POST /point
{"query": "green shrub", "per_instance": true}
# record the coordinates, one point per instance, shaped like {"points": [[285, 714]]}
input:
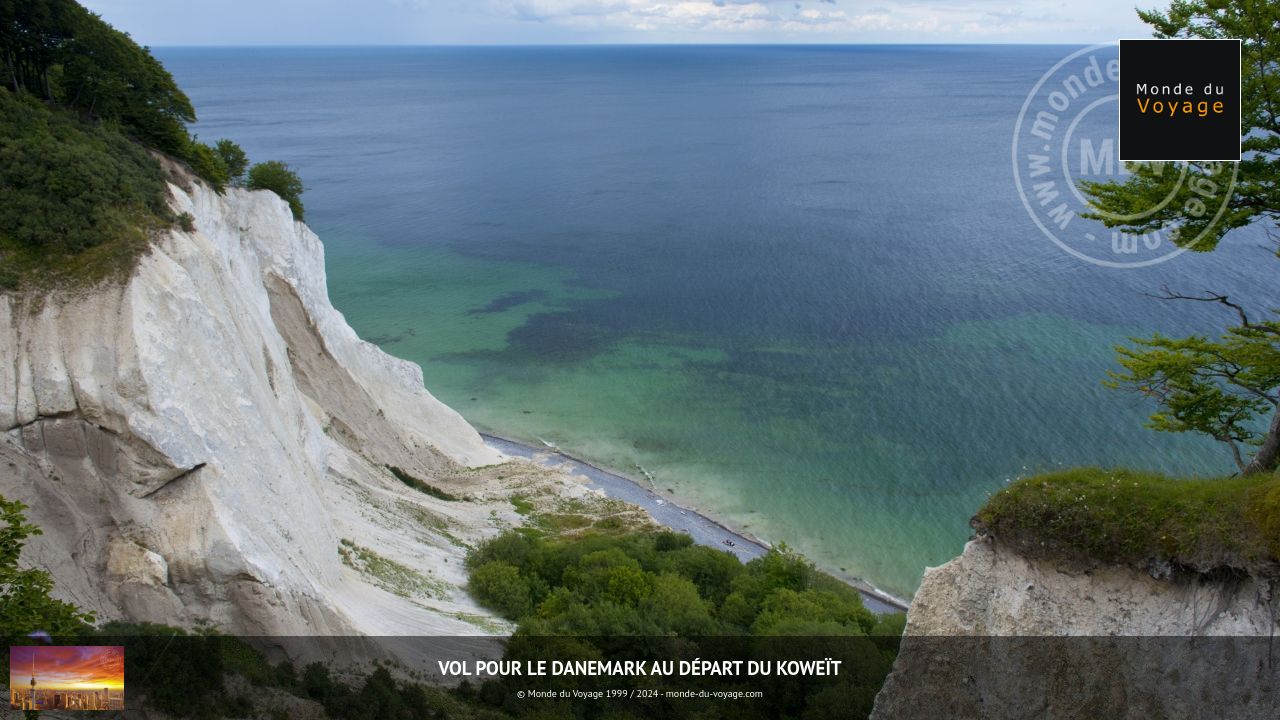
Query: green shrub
{"points": [[522, 505], [208, 164], [1264, 511], [499, 586], [68, 186], [660, 582], [276, 176], [673, 602], [421, 485], [233, 159], [513, 548]]}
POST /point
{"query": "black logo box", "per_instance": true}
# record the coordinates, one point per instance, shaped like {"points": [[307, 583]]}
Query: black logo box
{"points": [[1186, 68]]}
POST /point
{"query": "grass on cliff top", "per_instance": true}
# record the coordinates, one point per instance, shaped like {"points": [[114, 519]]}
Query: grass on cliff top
{"points": [[1091, 516]]}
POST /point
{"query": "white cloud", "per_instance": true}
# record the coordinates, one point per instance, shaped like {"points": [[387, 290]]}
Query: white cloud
{"points": [[922, 19], [681, 14], [326, 22]]}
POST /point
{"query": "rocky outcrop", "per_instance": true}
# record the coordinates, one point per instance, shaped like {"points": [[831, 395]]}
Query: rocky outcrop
{"points": [[208, 441], [994, 634]]}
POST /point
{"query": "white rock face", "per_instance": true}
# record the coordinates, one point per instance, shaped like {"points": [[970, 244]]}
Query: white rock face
{"points": [[990, 590], [198, 441], [993, 634]]}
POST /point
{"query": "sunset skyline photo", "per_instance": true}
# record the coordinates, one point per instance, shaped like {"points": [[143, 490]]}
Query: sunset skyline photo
{"points": [[76, 677]]}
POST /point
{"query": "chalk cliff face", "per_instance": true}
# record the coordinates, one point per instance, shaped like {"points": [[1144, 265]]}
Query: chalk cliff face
{"points": [[994, 634], [990, 590], [209, 441]]}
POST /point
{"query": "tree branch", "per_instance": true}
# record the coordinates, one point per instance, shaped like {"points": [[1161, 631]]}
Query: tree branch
{"points": [[1209, 296]]}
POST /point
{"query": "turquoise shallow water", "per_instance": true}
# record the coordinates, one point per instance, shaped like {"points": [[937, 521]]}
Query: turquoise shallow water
{"points": [[786, 281]]}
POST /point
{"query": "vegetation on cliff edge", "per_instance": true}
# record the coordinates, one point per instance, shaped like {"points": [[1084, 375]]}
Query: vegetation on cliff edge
{"points": [[83, 109], [1226, 388], [77, 201], [1224, 384], [1164, 526]]}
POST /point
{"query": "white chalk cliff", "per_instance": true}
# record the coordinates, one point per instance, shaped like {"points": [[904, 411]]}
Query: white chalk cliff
{"points": [[992, 590], [995, 634], [209, 441]]}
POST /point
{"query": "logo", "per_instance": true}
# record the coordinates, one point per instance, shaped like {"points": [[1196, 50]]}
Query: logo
{"points": [[1180, 100], [1067, 133]]}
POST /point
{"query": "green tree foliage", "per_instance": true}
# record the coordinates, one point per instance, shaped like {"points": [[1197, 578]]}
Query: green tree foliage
{"points": [[62, 52], [655, 582], [657, 596], [234, 159], [276, 176], [1220, 388], [25, 602], [380, 696], [81, 106], [1256, 194], [68, 186], [32, 33], [105, 75], [502, 587], [1225, 389], [674, 603], [208, 164], [183, 671]]}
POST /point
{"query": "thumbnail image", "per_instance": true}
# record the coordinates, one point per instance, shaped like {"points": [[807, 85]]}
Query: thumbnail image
{"points": [[75, 677]]}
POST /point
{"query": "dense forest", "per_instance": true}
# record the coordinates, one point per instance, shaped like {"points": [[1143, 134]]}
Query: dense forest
{"points": [[656, 596], [84, 115]]}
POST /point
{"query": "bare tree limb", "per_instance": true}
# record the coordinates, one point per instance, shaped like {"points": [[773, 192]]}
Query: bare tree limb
{"points": [[1209, 296]]}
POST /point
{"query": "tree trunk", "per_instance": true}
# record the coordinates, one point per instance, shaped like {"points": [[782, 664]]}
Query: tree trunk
{"points": [[1265, 459], [13, 71], [1235, 452]]}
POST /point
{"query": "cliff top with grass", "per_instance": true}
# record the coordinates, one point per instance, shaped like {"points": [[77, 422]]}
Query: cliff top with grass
{"points": [[1218, 527]]}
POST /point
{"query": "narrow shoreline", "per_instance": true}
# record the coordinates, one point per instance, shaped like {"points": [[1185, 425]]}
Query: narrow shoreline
{"points": [[704, 529]]}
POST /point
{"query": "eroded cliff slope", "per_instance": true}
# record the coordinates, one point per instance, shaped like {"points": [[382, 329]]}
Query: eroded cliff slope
{"points": [[208, 441]]}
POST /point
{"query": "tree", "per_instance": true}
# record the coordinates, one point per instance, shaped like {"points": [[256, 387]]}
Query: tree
{"points": [[104, 74], [233, 158], [32, 32], [1256, 194], [276, 176], [675, 604], [208, 164], [1222, 388], [25, 603]]}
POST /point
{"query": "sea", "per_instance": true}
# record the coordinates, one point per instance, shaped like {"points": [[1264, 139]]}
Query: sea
{"points": [[796, 286]]}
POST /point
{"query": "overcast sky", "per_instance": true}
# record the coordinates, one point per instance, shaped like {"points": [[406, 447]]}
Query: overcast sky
{"points": [[410, 22]]}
